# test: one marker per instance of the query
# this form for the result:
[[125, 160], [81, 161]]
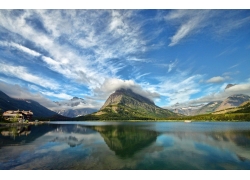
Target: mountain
[[243, 108], [233, 101], [229, 85], [8, 103], [186, 110], [208, 108], [124, 104], [214, 106], [75, 101], [75, 112], [122, 139], [73, 107]]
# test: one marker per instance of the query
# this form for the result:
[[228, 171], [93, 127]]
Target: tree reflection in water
[[125, 141]]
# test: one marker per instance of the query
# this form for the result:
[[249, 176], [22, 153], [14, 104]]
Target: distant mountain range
[[208, 108], [230, 102], [75, 112], [75, 101], [73, 108], [188, 110], [8, 103], [124, 104], [233, 101]]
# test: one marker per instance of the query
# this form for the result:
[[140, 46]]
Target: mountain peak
[[125, 104], [121, 96], [229, 85], [77, 98], [233, 101]]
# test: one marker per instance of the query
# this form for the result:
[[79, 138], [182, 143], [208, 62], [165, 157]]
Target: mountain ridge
[[124, 104], [8, 103], [233, 101]]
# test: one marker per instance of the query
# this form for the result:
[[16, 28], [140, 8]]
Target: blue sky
[[169, 56]]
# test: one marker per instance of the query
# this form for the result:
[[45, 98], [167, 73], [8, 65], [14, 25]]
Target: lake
[[127, 145]]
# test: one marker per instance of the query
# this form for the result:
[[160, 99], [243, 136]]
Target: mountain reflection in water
[[126, 140], [126, 145]]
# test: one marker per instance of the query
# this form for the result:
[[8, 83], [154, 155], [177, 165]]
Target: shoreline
[[23, 124], [184, 121]]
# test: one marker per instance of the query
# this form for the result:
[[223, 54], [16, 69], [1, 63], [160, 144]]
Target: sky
[[167, 55]]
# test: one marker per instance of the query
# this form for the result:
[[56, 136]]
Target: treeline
[[112, 116], [216, 117], [204, 117], [244, 109]]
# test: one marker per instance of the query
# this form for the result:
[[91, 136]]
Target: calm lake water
[[127, 145]]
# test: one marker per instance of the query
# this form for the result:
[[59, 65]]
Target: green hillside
[[127, 105]]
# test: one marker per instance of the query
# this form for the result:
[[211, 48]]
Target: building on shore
[[17, 115]]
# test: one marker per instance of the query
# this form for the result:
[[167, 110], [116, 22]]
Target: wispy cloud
[[190, 22], [227, 51], [230, 24], [62, 52], [21, 72], [184, 31], [177, 88], [217, 79], [92, 41], [172, 65], [58, 95], [19, 47], [233, 66]]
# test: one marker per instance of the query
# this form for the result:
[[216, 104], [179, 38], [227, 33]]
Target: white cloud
[[189, 20], [58, 95], [79, 27], [193, 21], [184, 30], [172, 65], [232, 23], [21, 72], [112, 84], [178, 89], [16, 91], [116, 22], [221, 95], [217, 79], [239, 88], [20, 47]]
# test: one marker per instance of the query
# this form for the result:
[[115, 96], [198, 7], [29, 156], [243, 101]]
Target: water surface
[[127, 145]]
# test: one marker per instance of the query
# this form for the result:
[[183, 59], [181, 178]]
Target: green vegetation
[[15, 118], [123, 112], [126, 141], [244, 108], [216, 117]]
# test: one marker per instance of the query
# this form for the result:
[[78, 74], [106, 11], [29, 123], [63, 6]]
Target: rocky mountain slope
[[124, 104], [243, 108], [230, 102], [233, 101], [208, 108], [8, 103]]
